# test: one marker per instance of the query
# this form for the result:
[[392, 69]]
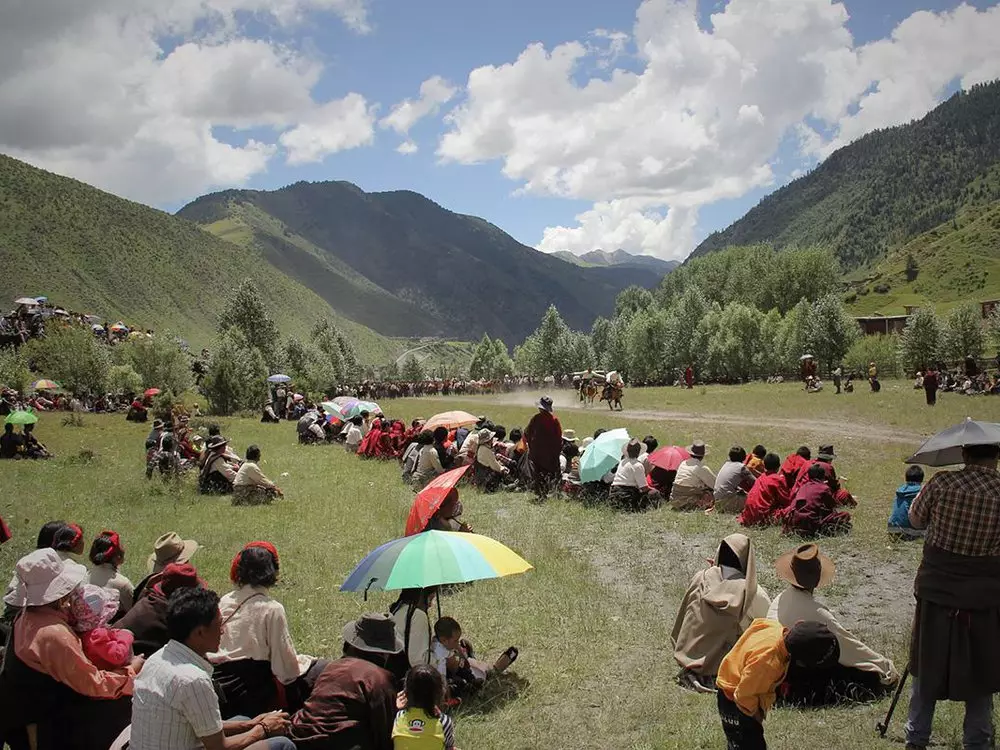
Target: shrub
[[14, 372], [881, 349], [237, 377], [73, 357], [159, 362], [882, 288], [123, 379]]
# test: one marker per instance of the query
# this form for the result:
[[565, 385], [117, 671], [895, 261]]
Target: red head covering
[[263, 545], [177, 576], [77, 534], [115, 541]]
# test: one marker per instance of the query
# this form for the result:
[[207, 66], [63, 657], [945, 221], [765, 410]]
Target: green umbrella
[[21, 417], [602, 455]]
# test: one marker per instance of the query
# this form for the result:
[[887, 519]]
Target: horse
[[588, 393], [613, 395]]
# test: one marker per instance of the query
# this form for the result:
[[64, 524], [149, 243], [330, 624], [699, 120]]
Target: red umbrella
[[669, 457], [430, 498], [152, 392]]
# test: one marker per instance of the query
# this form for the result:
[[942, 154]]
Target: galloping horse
[[588, 393], [613, 395]]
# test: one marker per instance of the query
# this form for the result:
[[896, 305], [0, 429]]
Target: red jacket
[[769, 496], [544, 438]]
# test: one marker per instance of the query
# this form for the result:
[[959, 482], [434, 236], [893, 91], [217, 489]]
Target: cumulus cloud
[[336, 126], [130, 94], [702, 115], [434, 92]]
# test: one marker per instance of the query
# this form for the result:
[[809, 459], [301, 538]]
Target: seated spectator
[[355, 434], [174, 696], [353, 703], [445, 449], [825, 459], [269, 416], [251, 487], [47, 679], [629, 488], [410, 613], [164, 459], [489, 473], [91, 610], [137, 411], [899, 521], [795, 464], [218, 474], [33, 448], [861, 674], [694, 485], [813, 510], [68, 542], [147, 619], [428, 461], [169, 548], [768, 497], [107, 556], [448, 517], [733, 482], [453, 658], [721, 602], [11, 444], [421, 724], [755, 461]]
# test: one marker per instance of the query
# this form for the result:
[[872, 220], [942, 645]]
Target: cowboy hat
[[570, 436], [216, 441], [697, 449], [826, 453], [157, 424], [805, 567], [42, 577], [545, 404], [373, 633], [484, 436], [170, 548]]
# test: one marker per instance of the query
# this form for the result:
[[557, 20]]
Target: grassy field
[[592, 620]]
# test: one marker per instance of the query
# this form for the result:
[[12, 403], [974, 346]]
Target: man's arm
[[238, 735], [920, 508]]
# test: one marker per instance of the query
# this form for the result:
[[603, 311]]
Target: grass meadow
[[592, 620]]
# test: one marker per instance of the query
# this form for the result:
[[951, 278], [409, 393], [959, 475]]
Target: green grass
[[593, 619]]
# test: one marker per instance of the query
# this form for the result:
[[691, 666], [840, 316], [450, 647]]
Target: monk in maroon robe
[[544, 438]]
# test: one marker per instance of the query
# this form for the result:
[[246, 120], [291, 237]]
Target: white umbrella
[[806, 356], [30, 301]]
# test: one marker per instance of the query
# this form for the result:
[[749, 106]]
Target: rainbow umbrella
[[434, 558], [21, 417], [45, 385], [355, 407]]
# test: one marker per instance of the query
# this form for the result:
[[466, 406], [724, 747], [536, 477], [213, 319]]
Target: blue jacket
[[901, 506]]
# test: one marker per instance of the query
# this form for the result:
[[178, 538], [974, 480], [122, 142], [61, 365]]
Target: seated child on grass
[[454, 660], [751, 672], [899, 521], [421, 725]]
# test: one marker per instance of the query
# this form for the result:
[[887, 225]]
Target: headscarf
[[239, 555], [116, 544]]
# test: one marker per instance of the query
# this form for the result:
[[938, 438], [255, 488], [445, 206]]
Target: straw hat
[[42, 577], [570, 436], [805, 567], [170, 548], [373, 633], [697, 449], [545, 404]]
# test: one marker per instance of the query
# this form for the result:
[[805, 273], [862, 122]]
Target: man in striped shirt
[[175, 707]]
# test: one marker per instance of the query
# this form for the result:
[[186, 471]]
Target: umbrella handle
[[370, 584]]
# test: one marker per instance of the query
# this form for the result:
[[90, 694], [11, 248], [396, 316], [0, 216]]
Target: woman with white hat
[[47, 680]]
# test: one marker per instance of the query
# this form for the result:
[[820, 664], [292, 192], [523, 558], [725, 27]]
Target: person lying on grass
[[751, 672], [454, 659]]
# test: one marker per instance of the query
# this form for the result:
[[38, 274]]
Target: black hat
[[545, 404], [373, 633], [826, 453], [812, 645]]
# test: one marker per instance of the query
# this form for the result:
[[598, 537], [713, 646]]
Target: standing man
[[955, 647], [931, 385], [544, 438], [689, 377], [837, 374]]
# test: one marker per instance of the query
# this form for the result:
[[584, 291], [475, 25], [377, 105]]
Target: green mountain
[[620, 258], [421, 269], [887, 189], [95, 253]]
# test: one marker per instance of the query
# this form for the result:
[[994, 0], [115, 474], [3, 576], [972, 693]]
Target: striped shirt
[[174, 703]]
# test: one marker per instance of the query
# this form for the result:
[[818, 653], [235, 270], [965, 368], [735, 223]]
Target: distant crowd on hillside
[[33, 316]]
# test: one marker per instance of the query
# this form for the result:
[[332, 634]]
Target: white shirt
[[107, 577], [439, 658], [174, 703], [693, 473], [486, 457], [630, 474], [418, 649], [353, 436], [471, 444], [258, 630], [251, 475]]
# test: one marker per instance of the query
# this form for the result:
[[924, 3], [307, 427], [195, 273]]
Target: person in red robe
[[543, 436], [813, 510], [689, 377], [825, 460], [768, 497], [794, 465]]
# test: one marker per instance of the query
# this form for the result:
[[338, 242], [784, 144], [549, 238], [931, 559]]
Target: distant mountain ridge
[[886, 188], [403, 263], [618, 258]]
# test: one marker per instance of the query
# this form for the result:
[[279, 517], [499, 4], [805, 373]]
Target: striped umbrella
[[45, 385], [434, 558]]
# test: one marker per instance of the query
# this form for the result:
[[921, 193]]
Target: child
[[91, 610], [899, 521], [454, 661], [421, 725], [751, 672]]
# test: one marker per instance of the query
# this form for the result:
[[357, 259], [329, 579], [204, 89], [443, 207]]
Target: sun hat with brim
[[570, 436], [826, 453], [373, 633], [697, 449], [545, 403], [170, 548], [216, 441], [42, 577], [485, 436], [805, 567]]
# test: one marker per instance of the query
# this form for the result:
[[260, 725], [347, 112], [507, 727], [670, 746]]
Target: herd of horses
[[590, 390]]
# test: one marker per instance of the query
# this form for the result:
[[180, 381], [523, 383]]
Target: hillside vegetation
[[96, 253], [887, 188]]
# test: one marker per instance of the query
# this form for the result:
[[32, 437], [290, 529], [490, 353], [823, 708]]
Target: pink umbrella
[[669, 457]]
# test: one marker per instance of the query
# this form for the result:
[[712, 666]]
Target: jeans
[[273, 743], [977, 730]]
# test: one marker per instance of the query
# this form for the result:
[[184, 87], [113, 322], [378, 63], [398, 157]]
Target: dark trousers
[[742, 732], [931, 396]]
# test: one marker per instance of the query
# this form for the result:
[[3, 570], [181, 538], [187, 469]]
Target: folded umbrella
[[669, 457], [451, 420], [434, 558], [431, 497], [22, 417], [945, 448], [602, 455]]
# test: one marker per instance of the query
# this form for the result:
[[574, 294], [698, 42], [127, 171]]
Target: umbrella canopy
[[45, 385], [451, 420], [669, 457], [431, 497], [279, 378], [152, 392], [332, 412], [29, 301], [355, 407], [119, 327], [341, 400], [21, 417], [806, 356], [945, 448], [434, 558], [602, 455]]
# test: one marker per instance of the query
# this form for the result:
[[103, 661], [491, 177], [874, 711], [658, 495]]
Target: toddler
[[91, 610]]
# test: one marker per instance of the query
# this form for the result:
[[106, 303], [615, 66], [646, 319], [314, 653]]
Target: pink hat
[[93, 607], [43, 577]]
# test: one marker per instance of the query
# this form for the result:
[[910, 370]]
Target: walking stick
[[883, 726]]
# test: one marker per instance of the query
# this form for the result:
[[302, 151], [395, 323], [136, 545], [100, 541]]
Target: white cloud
[[702, 117], [407, 147], [87, 89], [434, 92], [336, 126]]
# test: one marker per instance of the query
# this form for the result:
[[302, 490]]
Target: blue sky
[[665, 125]]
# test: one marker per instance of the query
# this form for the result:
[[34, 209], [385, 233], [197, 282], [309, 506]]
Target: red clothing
[[108, 649], [792, 467], [544, 438], [768, 496], [813, 511], [689, 377], [842, 496], [5, 534]]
